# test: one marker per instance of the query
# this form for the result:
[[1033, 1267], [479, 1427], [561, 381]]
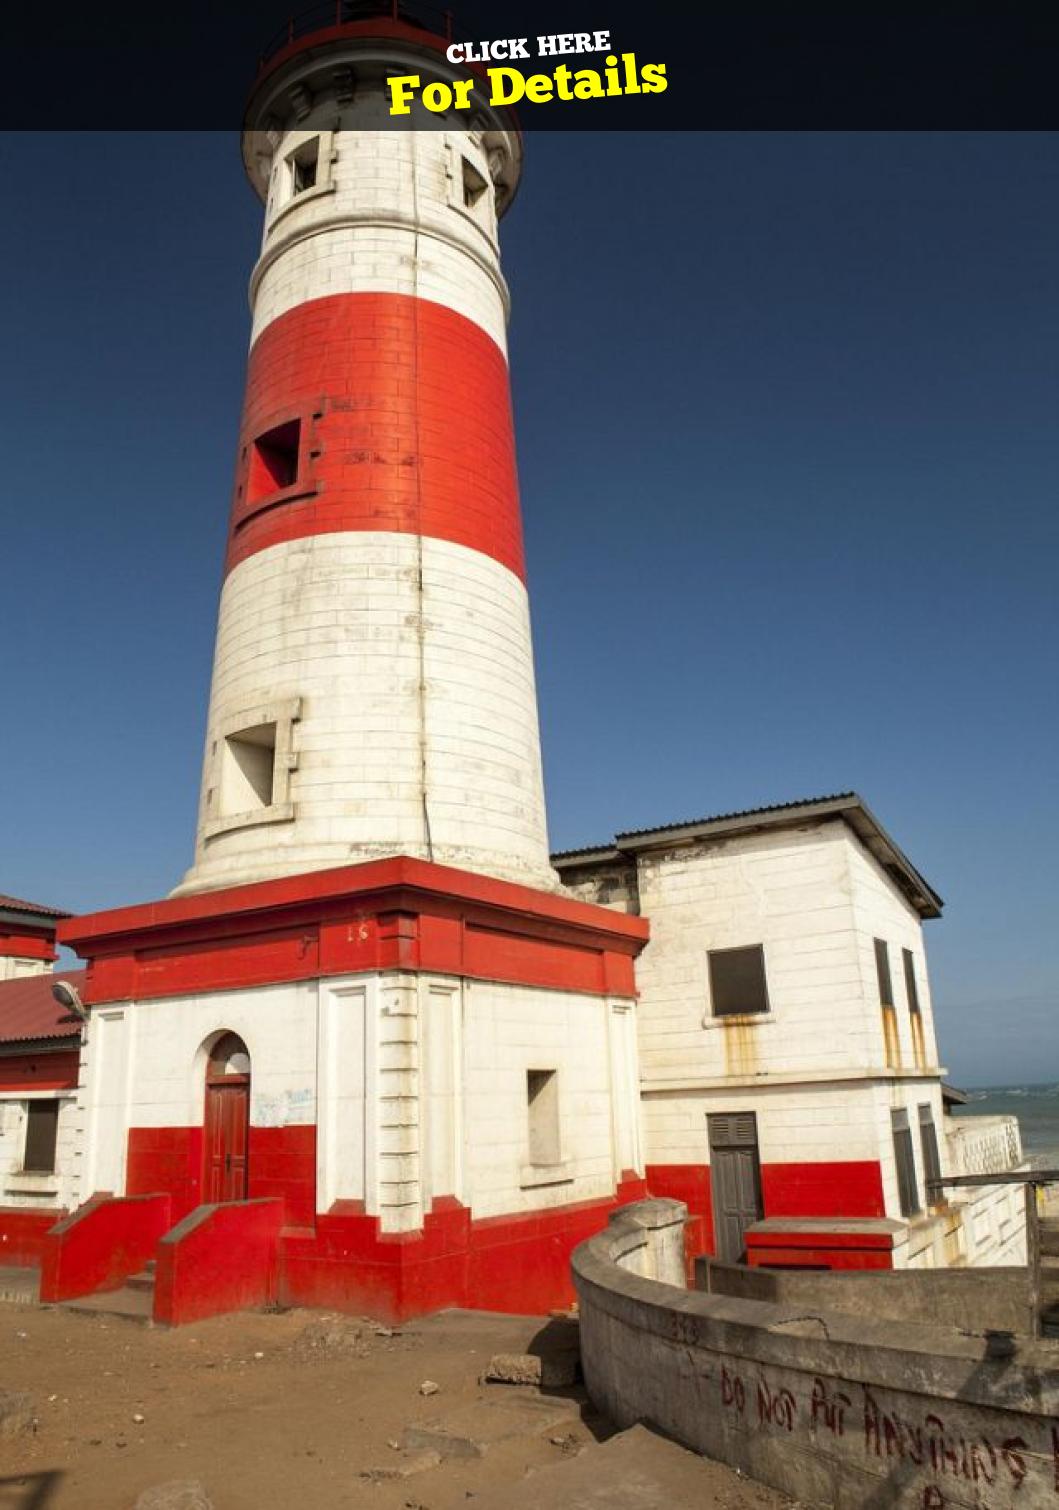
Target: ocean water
[[1037, 1108]]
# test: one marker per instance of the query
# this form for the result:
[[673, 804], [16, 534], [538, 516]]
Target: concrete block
[[555, 1371]]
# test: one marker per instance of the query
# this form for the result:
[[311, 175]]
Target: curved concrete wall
[[830, 1408]]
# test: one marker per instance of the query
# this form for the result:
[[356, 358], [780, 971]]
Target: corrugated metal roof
[[28, 1010], [665, 828], [747, 812], [845, 805], [16, 904]]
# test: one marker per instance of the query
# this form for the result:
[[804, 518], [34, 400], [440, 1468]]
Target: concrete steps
[[133, 1302], [19, 1286], [144, 1280]]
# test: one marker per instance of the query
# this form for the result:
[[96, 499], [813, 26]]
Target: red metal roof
[[28, 1010], [16, 904]]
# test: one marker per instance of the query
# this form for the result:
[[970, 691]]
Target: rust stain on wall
[[892, 1041], [919, 1050], [740, 1045]]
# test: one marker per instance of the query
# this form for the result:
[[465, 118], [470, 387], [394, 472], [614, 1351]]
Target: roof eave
[[848, 806], [40, 1045]]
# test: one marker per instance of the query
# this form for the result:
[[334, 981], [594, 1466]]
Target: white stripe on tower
[[373, 687]]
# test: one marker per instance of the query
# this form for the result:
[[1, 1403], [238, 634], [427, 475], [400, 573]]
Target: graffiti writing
[[775, 1408], [934, 1446], [827, 1408], [940, 1448], [733, 1391]]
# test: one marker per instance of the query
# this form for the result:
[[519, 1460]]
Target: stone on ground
[[177, 1494], [404, 1467], [17, 1413], [553, 1371]]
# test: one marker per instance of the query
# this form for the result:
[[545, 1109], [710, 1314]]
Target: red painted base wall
[[513, 1263], [341, 1260], [169, 1159], [842, 1188], [519, 1264], [22, 1235], [281, 1163]]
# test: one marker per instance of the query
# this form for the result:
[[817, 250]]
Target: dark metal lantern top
[[331, 13]]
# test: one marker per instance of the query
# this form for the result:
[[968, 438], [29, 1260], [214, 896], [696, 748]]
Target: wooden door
[[735, 1180], [227, 1124]]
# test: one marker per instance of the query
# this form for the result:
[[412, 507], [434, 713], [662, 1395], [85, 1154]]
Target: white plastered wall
[[390, 219], [33, 1190], [417, 1086], [402, 687], [880, 911], [790, 891], [819, 1123], [15, 967]]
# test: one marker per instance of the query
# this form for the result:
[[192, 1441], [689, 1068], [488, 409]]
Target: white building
[[791, 1081], [39, 1051]]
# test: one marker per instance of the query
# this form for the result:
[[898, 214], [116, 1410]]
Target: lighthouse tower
[[370, 1054], [373, 689]]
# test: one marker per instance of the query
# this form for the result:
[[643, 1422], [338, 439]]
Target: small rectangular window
[[274, 461], [904, 1154], [304, 166], [542, 1099], [474, 185], [928, 1138], [42, 1126], [737, 981], [910, 980], [882, 970], [248, 770]]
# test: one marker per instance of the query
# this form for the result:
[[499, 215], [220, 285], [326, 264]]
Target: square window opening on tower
[[274, 460], [248, 770], [474, 185], [542, 1099], [304, 166], [737, 981]]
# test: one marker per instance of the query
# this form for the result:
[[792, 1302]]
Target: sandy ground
[[271, 1410]]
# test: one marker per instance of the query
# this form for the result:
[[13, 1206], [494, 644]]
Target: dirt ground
[[291, 1409]]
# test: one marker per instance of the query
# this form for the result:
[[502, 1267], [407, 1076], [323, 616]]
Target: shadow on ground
[[32, 1491]]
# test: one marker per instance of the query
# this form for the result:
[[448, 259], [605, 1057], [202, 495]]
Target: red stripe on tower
[[374, 411]]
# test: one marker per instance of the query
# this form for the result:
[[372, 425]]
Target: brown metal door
[[227, 1124], [735, 1180]]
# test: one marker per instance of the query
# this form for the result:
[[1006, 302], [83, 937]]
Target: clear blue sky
[[786, 413]]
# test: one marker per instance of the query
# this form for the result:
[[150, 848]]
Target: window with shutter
[[907, 1188], [42, 1126], [737, 981], [882, 970], [911, 991], [928, 1138]]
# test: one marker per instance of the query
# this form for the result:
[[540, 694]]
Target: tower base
[[428, 1077]]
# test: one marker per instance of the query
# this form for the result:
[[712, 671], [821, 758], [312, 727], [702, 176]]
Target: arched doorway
[[227, 1119]]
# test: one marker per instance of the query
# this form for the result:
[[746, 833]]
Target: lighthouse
[[369, 1054], [373, 687]]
